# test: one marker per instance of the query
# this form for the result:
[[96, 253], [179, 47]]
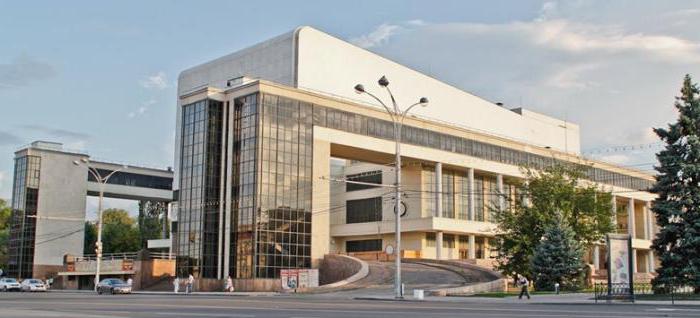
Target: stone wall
[[335, 268]]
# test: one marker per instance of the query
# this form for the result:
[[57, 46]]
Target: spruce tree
[[677, 206], [558, 258]]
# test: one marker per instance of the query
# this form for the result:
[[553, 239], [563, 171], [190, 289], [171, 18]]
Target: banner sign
[[299, 278], [620, 265]]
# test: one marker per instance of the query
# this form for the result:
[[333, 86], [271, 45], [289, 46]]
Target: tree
[[119, 232], [150, 220], [677, 206], [5, 216], [558, 258], [585, 208], [90, 238]]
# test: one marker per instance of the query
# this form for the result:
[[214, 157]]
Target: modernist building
[[256, 131], [49, 203]]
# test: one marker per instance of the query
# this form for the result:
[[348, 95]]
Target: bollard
[[556, 288]]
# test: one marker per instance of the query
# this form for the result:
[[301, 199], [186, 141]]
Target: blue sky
[[101, 76]]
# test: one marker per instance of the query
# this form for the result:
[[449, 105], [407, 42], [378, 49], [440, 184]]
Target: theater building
[[265, 134]]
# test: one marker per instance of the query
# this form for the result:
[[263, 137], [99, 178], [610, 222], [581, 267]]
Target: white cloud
[[548, 10], [377, 37], [571, 77], [142, 109], [156, 81]]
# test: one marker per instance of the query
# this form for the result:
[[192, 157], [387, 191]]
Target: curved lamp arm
[[95, 174], [405, 112], [391, 113], [112, 173]]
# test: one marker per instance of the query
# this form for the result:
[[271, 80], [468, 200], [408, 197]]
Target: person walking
[[229, 285], [190, 283], [129, 281], [523, 284], [176, 284]]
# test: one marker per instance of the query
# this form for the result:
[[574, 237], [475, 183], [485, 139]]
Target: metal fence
[[644, 291]]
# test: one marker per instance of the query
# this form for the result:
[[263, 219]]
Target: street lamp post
[[101, 181], [397, 117]]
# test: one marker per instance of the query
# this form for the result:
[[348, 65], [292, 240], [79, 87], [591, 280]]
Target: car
[[8, 284], [113, 286], [33, 285]]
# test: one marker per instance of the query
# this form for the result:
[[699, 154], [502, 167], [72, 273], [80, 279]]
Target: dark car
[[113, 286]]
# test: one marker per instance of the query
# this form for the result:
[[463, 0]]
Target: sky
[[100, 76]]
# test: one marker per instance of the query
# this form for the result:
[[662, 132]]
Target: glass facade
[[271, 180], [198, 219], [448, 194], [368, 177], [363, 246], [135, 180], [363, 210], [283, 227], [25, 198]]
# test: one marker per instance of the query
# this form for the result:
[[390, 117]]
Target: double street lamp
[[101, 181], [397, 117]]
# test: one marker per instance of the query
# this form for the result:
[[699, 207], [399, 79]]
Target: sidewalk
[[563, 299], [145, 292]]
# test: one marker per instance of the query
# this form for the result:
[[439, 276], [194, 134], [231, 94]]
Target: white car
[[33, 285], [8, 284]]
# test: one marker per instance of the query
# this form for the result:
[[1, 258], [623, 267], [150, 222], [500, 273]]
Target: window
[[448, 194], [478, 194], [369, 177], [448, 241], [363, 246], [363, 210], [430, 239]]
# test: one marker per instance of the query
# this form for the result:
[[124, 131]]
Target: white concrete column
[[470, 198], [596, 257], [645, 217], [630, 218], [526, 198], [634, 260], [438, 189], [486, 252], [438, 245], [228, 190], [472, 247], [501, 193], [650, 221], [650, 259]]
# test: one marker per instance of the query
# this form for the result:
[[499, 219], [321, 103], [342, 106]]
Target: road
[[88, 305]]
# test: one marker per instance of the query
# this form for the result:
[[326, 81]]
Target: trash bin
[[418, 294]]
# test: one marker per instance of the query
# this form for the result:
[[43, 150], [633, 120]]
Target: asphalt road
[[76, 305]]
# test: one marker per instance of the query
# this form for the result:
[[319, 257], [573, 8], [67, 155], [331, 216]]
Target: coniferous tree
[[677, 206], [558, 258], [586, 209]]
